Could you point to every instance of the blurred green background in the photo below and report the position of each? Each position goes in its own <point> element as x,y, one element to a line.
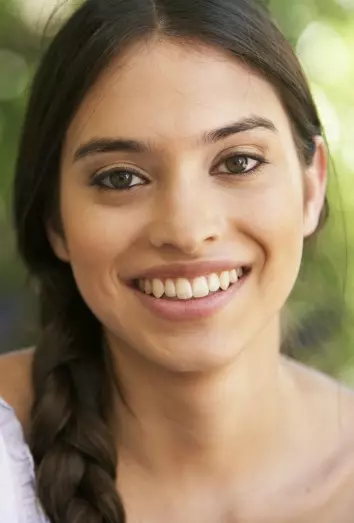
<point>319,321</point>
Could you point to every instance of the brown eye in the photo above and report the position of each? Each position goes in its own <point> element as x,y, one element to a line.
<point>118,179</point>
<point>240,164</point>
<point>237,163</point>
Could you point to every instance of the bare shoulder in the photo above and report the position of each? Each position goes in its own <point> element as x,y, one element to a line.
<point>15,382</point>
<point>328,397</point>
<point>330,415</point>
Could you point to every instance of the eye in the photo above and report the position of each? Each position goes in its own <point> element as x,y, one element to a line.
<point>118,179</point>
<point>240,164</point>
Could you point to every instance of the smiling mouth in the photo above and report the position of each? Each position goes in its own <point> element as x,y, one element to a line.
<point>177,289</point>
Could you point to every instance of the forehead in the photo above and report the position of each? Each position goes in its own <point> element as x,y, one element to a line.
<point>164,90</point>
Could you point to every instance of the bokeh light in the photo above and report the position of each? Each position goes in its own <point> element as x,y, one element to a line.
<point>329,118</point>
<point>36,13</point>
<point>347,4</point>
<point>324,54</point>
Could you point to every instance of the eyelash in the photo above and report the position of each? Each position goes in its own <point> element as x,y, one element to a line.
<point>98,179</point>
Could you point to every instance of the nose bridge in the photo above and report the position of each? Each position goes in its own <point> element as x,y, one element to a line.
<point>185,214</point>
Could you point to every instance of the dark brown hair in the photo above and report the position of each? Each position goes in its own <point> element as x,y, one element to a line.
<point>71,439</point>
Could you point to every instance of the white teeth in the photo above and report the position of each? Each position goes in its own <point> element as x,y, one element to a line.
<point>158,288</point>
<point>185,289</point>
<point>147,286</point>
<point>225,280</point>
<point>200,287</point>
<point>213,282</point>
<point>170,289</point>
<point>233,276</point>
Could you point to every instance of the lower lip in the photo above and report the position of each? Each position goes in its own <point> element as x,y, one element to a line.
<point>193,309</point>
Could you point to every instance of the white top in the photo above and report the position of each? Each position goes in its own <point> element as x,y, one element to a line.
<point>18,502</point>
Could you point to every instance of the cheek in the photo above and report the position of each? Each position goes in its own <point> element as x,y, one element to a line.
<point>272,211</point>
<point>95,233</point>
<point>98,239</point>
<point>272,220</point>
<point>94,236</point>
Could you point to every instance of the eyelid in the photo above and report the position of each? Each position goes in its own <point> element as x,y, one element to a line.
<point>101,174</point>
<point>230,153</point>
<point>242,154</point>
<point>118,166</point>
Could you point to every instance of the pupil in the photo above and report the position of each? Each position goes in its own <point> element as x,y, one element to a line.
<point>121,179</point>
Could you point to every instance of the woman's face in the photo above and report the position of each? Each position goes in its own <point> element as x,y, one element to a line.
<point>185,156</point>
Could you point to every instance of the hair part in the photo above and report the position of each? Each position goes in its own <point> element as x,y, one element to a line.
<point>71,439</point>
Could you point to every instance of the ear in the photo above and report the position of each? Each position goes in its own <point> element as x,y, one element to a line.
<point>315,187</point>
<point>58,242</point>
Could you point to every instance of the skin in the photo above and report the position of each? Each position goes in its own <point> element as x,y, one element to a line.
<point>224,429</point>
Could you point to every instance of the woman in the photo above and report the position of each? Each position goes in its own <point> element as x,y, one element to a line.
<point>171,168</point>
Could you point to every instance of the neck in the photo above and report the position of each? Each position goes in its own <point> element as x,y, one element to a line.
<point>204,424</point>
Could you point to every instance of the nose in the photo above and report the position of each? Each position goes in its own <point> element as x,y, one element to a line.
<point>187,219</point>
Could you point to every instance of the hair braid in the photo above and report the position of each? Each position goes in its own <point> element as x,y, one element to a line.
<point>71,440</point>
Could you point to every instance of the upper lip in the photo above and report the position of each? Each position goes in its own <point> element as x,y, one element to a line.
<point>188,270</point>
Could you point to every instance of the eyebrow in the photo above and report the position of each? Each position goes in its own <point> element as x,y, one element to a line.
<point>109,145</point>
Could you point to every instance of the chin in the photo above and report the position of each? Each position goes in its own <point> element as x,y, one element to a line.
<point>193,351</point>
